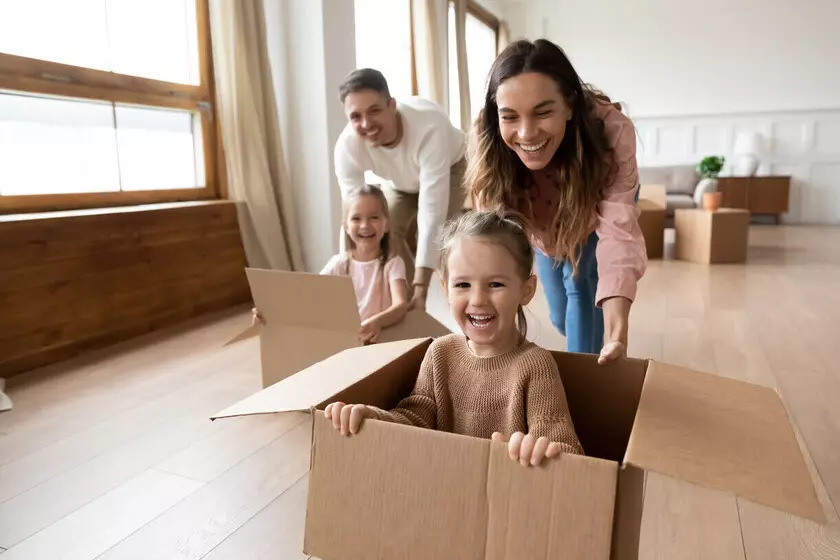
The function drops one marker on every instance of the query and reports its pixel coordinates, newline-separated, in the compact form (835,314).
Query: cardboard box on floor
(653,205)
(657,194)
(652,224)
(707,237)
(395,491)
(310,317)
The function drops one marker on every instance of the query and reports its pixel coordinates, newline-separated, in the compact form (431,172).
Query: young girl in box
(378,275)
(490,382)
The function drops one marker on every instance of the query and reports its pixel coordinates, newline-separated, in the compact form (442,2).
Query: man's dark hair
(362,79)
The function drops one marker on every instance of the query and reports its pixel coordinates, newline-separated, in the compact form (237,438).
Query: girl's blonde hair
(496,177)
(505,229)
(385,244)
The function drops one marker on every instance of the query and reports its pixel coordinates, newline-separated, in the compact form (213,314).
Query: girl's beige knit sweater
(458,392)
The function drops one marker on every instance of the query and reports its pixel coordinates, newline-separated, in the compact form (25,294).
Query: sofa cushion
(680,179)
(677,201)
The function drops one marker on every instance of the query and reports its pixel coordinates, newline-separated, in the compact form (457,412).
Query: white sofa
(683,187)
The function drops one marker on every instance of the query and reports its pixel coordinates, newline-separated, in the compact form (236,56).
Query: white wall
(679,57)
(312,48)
(802,144)
(692,74)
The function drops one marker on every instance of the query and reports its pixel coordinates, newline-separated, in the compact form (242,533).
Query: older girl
(378,274)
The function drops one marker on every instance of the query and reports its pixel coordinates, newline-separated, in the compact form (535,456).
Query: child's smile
(366,226)
(481,321)
(485,290)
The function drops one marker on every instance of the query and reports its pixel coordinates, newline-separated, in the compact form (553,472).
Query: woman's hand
(256,318)
(527,449)
(616,325)
(612,351)
(347,418)
(369,331)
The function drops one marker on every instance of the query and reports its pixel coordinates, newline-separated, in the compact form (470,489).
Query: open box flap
(285,351)
(299,299)
(721,433)
(319,382)
(417,324)
(250,332)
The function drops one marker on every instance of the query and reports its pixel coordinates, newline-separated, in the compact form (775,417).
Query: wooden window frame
(29,75)
(473,8)
(483,15)
(415,89)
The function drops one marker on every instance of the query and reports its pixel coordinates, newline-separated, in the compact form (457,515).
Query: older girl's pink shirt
(372,296)
(621,254)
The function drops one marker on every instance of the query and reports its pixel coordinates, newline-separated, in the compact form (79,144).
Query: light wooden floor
(113,456)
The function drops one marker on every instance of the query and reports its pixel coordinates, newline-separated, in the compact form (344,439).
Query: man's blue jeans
(571,299)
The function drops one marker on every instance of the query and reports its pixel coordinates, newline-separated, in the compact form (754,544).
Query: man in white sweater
(413,145)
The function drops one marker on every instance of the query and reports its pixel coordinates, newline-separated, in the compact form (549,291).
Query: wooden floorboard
(62,404)
(275,532)
(112,455)
(196,525)
(36,508)
(126,423)
(139,500)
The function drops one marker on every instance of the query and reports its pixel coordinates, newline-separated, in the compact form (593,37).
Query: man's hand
(418,299)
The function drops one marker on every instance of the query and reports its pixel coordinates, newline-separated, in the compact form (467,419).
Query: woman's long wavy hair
(496,177)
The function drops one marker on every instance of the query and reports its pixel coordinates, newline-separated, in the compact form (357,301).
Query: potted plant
(709,169)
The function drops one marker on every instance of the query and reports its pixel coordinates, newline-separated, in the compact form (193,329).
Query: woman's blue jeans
(571,299)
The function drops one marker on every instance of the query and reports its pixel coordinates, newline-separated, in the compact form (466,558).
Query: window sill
(110,210)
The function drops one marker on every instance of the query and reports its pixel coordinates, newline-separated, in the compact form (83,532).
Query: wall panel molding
(802,144)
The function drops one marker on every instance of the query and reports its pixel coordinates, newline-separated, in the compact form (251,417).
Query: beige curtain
(429,26)
(247,109)
(463,70)
(503,38)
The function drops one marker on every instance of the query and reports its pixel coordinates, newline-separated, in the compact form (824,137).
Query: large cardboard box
(395,491)
(652,224)
(310,317)
(712,237)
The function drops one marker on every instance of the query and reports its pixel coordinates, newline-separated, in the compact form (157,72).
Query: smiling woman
(562,154)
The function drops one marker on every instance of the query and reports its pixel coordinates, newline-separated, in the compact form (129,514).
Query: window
(105,103)
(383,42)
(481,37)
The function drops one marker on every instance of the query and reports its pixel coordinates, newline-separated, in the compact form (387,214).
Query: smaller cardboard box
(712,237)
(310,317)
(657,194)
(395,491)
(652,224)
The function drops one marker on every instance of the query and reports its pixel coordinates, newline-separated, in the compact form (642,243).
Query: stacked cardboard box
(653,205)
